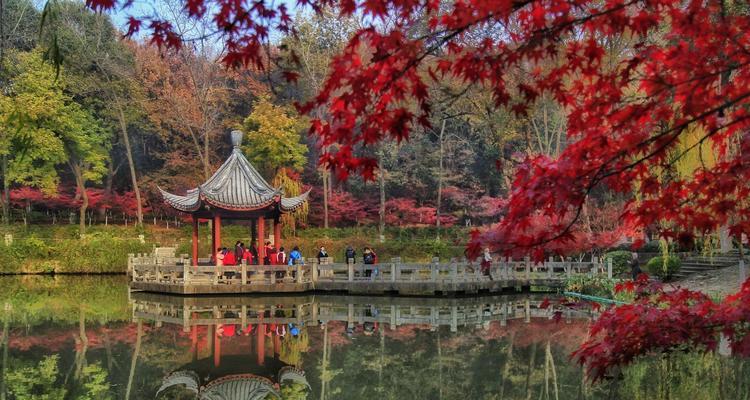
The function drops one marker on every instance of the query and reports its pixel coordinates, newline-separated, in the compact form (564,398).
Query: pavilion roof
(235,186)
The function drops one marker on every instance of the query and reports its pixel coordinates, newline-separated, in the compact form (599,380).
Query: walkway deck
(177,276)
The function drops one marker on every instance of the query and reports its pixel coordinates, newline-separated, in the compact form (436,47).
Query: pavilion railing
(323,311)
(179,271)
(454,271)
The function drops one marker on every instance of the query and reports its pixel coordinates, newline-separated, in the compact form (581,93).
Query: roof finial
(236,138)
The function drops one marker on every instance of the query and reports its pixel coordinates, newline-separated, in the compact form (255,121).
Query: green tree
(100,70)
(44,128)
(28,381)
(29,116)
(273,138)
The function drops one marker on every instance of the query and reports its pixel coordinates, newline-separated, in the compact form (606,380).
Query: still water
(88,338)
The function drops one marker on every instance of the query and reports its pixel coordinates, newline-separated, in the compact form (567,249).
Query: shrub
(594,286)
(663,267)
(620,261)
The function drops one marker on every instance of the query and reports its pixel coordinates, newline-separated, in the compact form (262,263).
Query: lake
(88,338)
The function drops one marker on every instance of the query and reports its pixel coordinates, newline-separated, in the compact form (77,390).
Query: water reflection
(88,338)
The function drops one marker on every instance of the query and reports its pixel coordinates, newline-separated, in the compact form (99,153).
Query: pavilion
(236,191)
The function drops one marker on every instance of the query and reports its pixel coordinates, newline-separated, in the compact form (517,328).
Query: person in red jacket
(247,255)
(272,255)
(229,258)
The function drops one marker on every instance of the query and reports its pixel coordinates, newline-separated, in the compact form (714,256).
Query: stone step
(710,265)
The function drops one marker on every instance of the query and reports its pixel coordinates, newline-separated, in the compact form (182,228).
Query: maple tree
(664,321)
(641,83)
(684,64)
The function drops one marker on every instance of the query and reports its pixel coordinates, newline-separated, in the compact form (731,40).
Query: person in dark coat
(238,251)
(322,254)
(349,253)
(635,267)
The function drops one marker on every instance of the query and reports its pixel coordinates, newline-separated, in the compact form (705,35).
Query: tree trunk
(440,180)
(381,212)
(102,211)
(325,198)
(529,368)
(131,163)
(4,344)
(507,365)
(6,191)
(80,360)
(81,184)
(134,360)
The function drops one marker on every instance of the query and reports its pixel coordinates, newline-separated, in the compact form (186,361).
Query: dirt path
(716,283)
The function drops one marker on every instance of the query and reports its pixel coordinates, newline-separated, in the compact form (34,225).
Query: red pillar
(195,240)
(217,233)
(277,233)
(214,245)
(261,240)
(217,350)
(194,341)
(260,336)
(276,345)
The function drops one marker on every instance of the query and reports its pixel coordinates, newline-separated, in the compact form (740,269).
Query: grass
(104,249)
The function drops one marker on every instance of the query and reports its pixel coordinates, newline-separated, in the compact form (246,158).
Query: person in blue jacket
(296,255)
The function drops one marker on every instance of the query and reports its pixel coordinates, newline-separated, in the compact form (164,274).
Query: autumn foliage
(642,82)
(662,321)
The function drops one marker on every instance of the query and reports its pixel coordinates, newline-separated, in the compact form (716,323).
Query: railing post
(217,272)
(550,267)
(158,273)
(609,268)
(454,319)
(272,277)
(434,269)
(454,271)
(350,266)
(185,274)
(393,270)
(527,312)
(243,272)
(299,273)
(130,263)
(393,317)
(314,270)
(527,263)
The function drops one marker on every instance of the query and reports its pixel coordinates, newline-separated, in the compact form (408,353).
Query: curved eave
(290,204)
(189,203)
(238,207)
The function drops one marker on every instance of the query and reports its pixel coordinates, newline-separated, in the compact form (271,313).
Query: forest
(93,122)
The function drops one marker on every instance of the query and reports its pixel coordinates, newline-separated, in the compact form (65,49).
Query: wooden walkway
(314,310)
(177,276)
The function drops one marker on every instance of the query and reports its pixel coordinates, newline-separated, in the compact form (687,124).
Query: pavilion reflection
(243,347)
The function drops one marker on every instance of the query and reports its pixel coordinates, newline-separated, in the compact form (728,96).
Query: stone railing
(178,271)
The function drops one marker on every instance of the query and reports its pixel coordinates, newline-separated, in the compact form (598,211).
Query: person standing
(368,256)
(322,253)
(267,251)
(486,263)
(238,251)
(247,256)
(295,257)
(219,257)
(635,267)
(254,252)
(349,254)
(272,257)
(281,256)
